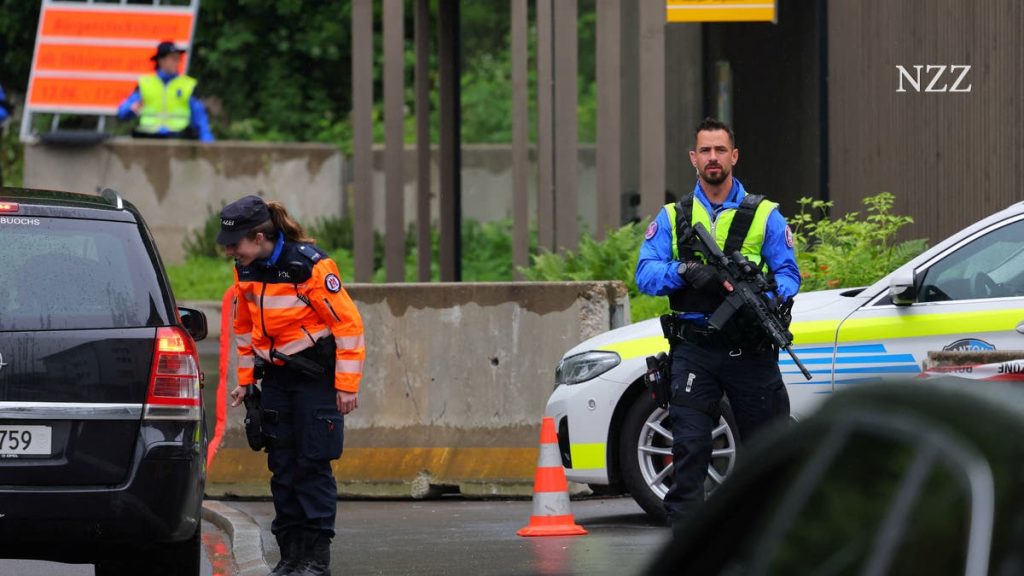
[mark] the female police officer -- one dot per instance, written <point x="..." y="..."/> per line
<point x="294" y="319"/>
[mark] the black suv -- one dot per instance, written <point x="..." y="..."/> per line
<point x="102" y="446"/>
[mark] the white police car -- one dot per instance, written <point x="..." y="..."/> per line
<point x="965" y="293"/>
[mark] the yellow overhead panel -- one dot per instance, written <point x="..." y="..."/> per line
<point x="721" y="10"/>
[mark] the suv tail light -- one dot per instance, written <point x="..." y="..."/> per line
<point x="8" y="206"/>
<point x="174" y="380"/>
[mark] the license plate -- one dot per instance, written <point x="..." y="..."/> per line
<point x="24" y="440"/>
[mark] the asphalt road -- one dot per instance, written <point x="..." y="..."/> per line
<point x="216" y="561"/>
<point x="472" y="537"/>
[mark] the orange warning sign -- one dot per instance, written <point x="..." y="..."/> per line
<point x="89" y="56"/>
<point x="78" y="58"/>
<point x="71" y="93"/>
<point x="117" y="25"/>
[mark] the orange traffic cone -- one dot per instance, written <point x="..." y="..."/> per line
<point x="551" y="515"/>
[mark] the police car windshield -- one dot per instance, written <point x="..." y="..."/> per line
<point x="60" y="274"/>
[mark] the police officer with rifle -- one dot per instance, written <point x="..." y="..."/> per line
<point x="725" y="260"/>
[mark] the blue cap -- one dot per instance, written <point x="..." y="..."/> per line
<point x="164" y="48"/>
<point x="242" y="215"/>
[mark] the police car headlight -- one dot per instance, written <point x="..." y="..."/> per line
<point x="585" y="366"/>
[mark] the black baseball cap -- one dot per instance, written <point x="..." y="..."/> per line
<point x="241" y="216"/>
<point x="164" y="48"/>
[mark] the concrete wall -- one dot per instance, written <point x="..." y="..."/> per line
<point x="455" y="384"/>
<point x="177" y="183"/>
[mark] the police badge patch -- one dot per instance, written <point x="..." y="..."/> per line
<point x="652" y="229"/>
<point x="789" y="237"/>
<point x="332" y="283"/>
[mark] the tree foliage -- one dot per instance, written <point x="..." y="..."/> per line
<point x="280" y="70"/>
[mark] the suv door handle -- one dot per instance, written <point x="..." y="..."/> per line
<point x="1020" y="327"/>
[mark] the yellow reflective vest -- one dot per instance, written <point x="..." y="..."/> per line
<point x="165" y="106"/>
<point x="752" y="241"/>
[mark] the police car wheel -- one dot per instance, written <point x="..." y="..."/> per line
<point x="645" y="451"/>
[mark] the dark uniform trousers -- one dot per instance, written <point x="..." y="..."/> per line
<point x="306" y="434"/>
<point x="700" y="374"/>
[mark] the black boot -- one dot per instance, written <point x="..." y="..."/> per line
<point x="290" y="544"/>
<point x="317" y="555"/>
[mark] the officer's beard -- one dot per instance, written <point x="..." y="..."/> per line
<point x="714" y="180"/>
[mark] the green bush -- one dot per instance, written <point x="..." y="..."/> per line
<point x="851" y="250"/>
<point x="487" y="255"/>
<point x="845" y="252"/>
<point x="202" y="242"/>
<point x="613" y="258"/>
<point x="333" y="232"/>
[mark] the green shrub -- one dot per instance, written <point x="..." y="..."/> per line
<point x="12" y="156"/>
<point x="333" y="232"/>
<point x="847" y="251"/>
<point x="202" y="242"/>
<point x="613" y="258"/>
<point x="851" y="250"/>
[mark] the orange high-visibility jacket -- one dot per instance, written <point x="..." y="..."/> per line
<point x="287" y="304"/>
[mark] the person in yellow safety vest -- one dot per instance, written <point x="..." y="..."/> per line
<point x="165" y="102"/>
<point x="707" y="362"/>
<point x="6" y="109"/>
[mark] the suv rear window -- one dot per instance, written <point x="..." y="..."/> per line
<point x="61" y="274"/>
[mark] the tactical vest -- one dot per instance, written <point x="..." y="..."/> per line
<point x="165" y="105"/>
<point x="742" y="228"/>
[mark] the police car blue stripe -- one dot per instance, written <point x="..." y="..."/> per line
<point x="905" y="358"/>
<point x="852" y="349"/>
<point x="901" y="369"/>
<point x="906" y="369"/>
<point x="823" y="350"/>
<point x="883" y="358"/>
<point x="789" y="362"/>
<point x="862" y="349"/>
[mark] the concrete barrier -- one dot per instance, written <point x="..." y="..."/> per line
<point x="455" y="383"/>
<point x="177" y="183"/>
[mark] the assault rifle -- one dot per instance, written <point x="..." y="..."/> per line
<point x="748" y="289"/>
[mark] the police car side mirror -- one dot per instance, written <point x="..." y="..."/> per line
<point x="903" y="288"/>
<point x="194" y="322"/>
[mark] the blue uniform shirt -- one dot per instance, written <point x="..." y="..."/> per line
<point x="657" y="272"/>
<point x="198" y="111"/>
<point x="3" y="111"/>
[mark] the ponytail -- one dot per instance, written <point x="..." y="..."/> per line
<point x="293" y="231"/>
<point x="280" y="221"/>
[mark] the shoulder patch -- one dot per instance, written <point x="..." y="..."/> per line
<point x="652" y="229"/>
<point x="309" y="252"/>
<point x="789" y="236"/>
<point x="332" y="283"/>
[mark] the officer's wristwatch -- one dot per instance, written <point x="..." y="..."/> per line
<point x="683" y="267"/>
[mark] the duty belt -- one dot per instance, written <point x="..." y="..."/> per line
<point x="678" y="330"/>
